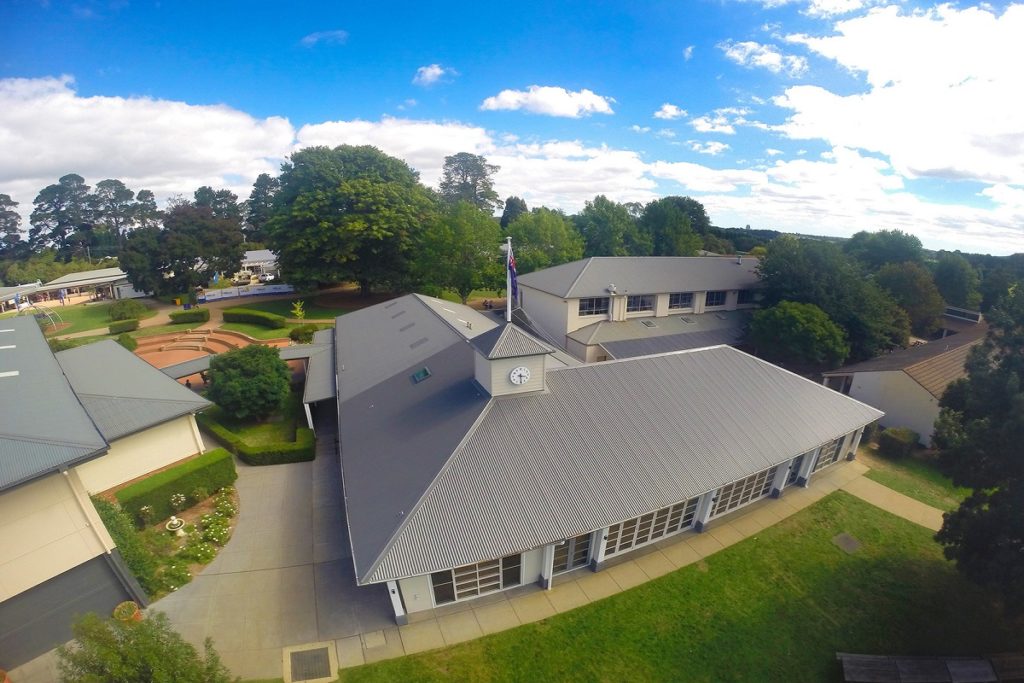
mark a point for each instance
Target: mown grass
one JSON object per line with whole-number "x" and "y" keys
{"x": 775, "y": 607}
{"x": 916, "y": 477}
{"x": 260, "y": 332}
{"x": 278, "y": 428}
{"x": 314, "y": 310}
{"x": 82, "y": 317}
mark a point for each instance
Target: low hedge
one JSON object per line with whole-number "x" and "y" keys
{"x": 302, "y": 449}
{"x": 123, "y": 326}
{"x": 142, "y": 563}
{"x": 128, "y": 341}
{"x": 247, "y": 315}
{"x": 303, "y": 333}
{"x": 211, "y": 471}
{"x": 897, "y": 442}
{"x": 193, "y": 315}
{"x": 126, "y": 309}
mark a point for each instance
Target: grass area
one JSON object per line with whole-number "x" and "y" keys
{"x": 83, "y": 317}
{"x": 167, "y": 329}
{"x": 776, "y": 607}
{"x": 278, "y": 428}
{"x": 82, "y": 341}
{"x": 260, "y": 332}
{"x": 475, "y": 294}
{"x": 915, "y": 477}
{"x": 314, "y": 310}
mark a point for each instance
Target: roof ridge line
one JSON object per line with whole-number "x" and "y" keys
{"x": 53, "y": 442}
{"x": 589, "y": 260}
{"x": 142, "y": 398}
{"x": 942, "y": 353}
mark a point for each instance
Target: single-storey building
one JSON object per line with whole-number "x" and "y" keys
{"x": 668, "y": 303}
{"x": 71, "y": 425}
{"x": 475, "y": 457}
{"x": 908, "y": 384}
{"x": 109, "y": 283}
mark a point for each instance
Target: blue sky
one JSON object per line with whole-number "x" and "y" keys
{"x": 821, "y": 116}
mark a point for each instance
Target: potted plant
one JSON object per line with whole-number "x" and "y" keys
{"x": 128, "y": 611}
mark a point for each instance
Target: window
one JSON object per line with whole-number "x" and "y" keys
{"x": 635, "y": 303}
{"x": 650, "y": 527}
{"x": 714, "y": 299}
{"x": 420, "y": 375}
{"x": 476, "y": 579}
{"x": 597, "y": 305}
{"x": 747, "y": 490}
{"x": 572, "y": 553}
{"x": 829, "y": 454}
{"x": 680, "y": 300}
{"x": 746, "y": 296}
{"x": 794, "y": 469}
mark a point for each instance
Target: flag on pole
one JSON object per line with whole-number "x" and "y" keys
{"x": 513, "y": 287}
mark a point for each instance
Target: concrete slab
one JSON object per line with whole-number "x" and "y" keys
{"x": 532, "y": 607}
{"x": 751, "y": 524}
{"x": 654, "y": 564}
{"x": 459, "y": 627}
{"x": 896, "y": 503}
{"x": 350, "y": 651}
{"x": 627, "y": 575}
{"x": 726, "y": 534}
{"x": 254, "y": 663}
{"x": 391, "y": 648}
{"x": 497, "y": 617}
{"x": 704, "y": 544}
{"x": 566, "y": 596}
{"x": 680, "y": 554}
{"x": 597, "y": 585}
{"x": 426, "y": 635}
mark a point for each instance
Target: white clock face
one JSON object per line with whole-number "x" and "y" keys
{"x": 519, "y": 375}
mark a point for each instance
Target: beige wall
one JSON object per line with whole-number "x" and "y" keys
{"x": 141, "y": 453}
{"x": 905, "y": 402}
{"x": 549, "y": 312}
{"x": 47, "y": 527}
{"x": 493, "y": 374}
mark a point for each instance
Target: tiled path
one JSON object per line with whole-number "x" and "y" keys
{"x": 276, "y": 586}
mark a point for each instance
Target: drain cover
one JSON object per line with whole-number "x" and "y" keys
{"x": 309, "y": 665}
{"x": 848, "y": 543}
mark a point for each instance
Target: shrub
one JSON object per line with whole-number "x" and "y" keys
{"x": 302, "y": 449}
{"x": 195, "y": 315}
{"x": 303, "y": 333}
{"x": 249, "y": 383}
{"x": 897, "y": 442}
{"x": 198, "y": 550}
{"x": 178, "y": 501}
{"x": 199, "y": 494}
{"x": 247, "y": 315}
{"x": 142, "y": 563}
{"x": 126, "y": 309}
{"x": 123, "y": 326}
{"x": 60, "y": 344}
{"x": 128, "y": 341}
{"x": 174, "y": 576}
{"x": 210, "y": 470}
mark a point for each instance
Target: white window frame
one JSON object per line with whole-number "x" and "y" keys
{"x": 743, "y": 492}
{"x": 651, "y": 527}
{"x": 470, "y": 576}
{"x": 607, "y": 306}
{"x": 677, "y": 306}
{"x": 707, "y": 298}
{"x": 644, "y": 303}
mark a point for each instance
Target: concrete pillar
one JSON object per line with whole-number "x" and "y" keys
{"x": 547, "y": 566}
{"x": 852, "y": 455}
{"x": 197, "y": 436}
{"x": 309, "y": 416}
{"x": 401, "y": 618}
{"x": 781, "y": 475}
{"x": 804, "y": 476}
{"x": 597, "y": 542}
{"x": 703, "y": 514}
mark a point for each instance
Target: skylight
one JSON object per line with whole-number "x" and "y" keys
{"x": 420, "y": 375}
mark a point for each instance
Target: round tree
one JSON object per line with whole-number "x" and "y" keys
{"x": 249, "y": 383}
{"x": 801, "y": 335}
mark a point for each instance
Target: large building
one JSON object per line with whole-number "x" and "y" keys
{"x": 73, "y": 424}
{"x": 603, "y": 308}
{"x": 476, "y": 457}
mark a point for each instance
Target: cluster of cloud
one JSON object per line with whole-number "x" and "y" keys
{"x": 752, "y": 54}
{"x": 431, "y": 74}
{"x": 335, "y": 37}
{"x": 550, "y": 100}
{"x": 670, "y": 112}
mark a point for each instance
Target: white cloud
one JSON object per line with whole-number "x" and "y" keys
{"x": 669, "y": 112}
{"x": 752, "y": 54}
{"x": 688, "y": 53}
{"x": 430, "y": 74}
{"x": 714, "y": 148}
{"x": 407, "y": 104}
{"x": 640, "y": 129}
{"x": 823, "y": 8}
{"x": 551, "y": 101}
{"x": 721, "y": 120}
{"x": 665, "y": 133}
{"x": 773, "y": 152}
{"x": 942, "y": 92}
{"x": 336, "y": 37}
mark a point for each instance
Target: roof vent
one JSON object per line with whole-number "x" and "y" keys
{"x": 721, "y": 317}
{"x": 688, "y": 321}
{"x": 418, "y": 342}
{"x": 648, "y": 323}
{"x": 402, "y": 312}
{"x": 403, "y": 328}
{"x": 420, "y": 375}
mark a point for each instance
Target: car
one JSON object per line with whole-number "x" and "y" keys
{"x": 267, "y": 277}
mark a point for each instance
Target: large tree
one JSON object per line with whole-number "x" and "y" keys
{"x": 146, "y": 651}
{"x": 957, "y": 281}
{"x": 61, "y": 210}
{"x": 348, "y": 213}
{"x": 669, "y": 228}
{"x": 468, "y": 178}
{"x": 10, "y": 225}
{"x": 222, "y": 203}
{"x": 875, "y": 249}
{"x": 142, "y": 259}
{"x": 912, "y": 287}
{"x": 113, "y": 206}
{"x": 514, "y": 208}
{"x": 260, "y": 206}
{"x": 147, "y": 215}
{"x": 800, "y": 336}
{"x": 608, "y": 229}
{"x": 249, "y": 383}
{"x": 543, "y": 238}
{"x": 979, "y": 435}
{"x": 817, "y": 272}
{"x": 461, "y": 251}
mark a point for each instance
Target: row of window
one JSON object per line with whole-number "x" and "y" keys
{"x": 650, "y": 527}
{"x": 476, "y": 579}
{"x": 829, "y": 454}
{"x": 572, "y": 553}
{"x": 747, "y": 490}
{"x": 638, "y": 303}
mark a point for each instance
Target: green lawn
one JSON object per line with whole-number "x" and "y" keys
{"x": 776, "y": 607}
{"x": 260, "y": 332}
{"x": 314, "y": 311}
{"x": 276, "y": 429}
{"x": 84, "y": 317}
{"x": 167, "y": 329}
{"x": 914, "y": 477}
{"x": 475, "y": 294}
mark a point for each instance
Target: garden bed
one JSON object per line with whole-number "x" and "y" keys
{"x": 279, "y": 439}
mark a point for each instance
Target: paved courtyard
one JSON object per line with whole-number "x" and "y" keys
{"x": 285, "y": 577}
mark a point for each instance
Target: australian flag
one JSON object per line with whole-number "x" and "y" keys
{"x": 513, "y": 286}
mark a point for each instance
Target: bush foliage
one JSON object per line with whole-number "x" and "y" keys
{"x": 211, "y": 471}
{"x": 128, "y": 341}
{"x": 303, "y": 334}
{"x": 122, "y": 326}
{"x": 193, "y": 315}
{"x": 300, "y": 450}
{"x": 126, "y": 309}
{"x": 897, "y": 442}
{"x": 249, "y": 383}
{"x": 247, "y": 315}
{"x": 142, "y": 563}
{"x": 799, "y": 334}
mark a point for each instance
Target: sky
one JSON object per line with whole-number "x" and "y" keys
{"x": 814, "y": 116}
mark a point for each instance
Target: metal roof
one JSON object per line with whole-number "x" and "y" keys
{"x": 320, "y": 377}
{"x": 508, "y": 341}
{"x": 257, "y": 256}
{"x": 906, "y": 358}
{"x": 643, "y": 275}
{"x": 43, "y": 426}
{"x": 605, "y": 442}
{"x": 935, "y": 374}
{"x": 85, "y": 278}
{"x": 9, "y": 292}
{"x": 630, "y": 348}
{"x": 651, "y": 326}
{"x": 122, "y": 393}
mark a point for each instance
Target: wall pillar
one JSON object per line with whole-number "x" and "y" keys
{"x": 804, "y": 476}
{"x": 852, "y": 455}
{"x": 703, "y": 514}
{"x": 547, "y": 566}
{"x": 197, "y": 436}
{"x": 309, "y": 416}
{"x": 401, "y": 618}
{"x": 597, "y": 543}
{"x": 781, "y": 475}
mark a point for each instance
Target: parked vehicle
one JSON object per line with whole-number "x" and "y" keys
{"x": 267, "y": 277}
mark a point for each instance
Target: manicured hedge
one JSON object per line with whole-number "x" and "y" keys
{"x": 123, "y": 326}
{"x": 211, "y": 471}
{"x": 128, "y": 341}
{"x": 142, "y": 563}
{"x": 300, "y": 450}
{"x": 126, "y": 309}
{"x": 247, "y": 315}
{"x": 897, "y": 442}
{"x": 303, "y": 333}
{"x": 194, "y": 315}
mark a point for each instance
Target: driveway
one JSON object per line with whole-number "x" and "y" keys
{"x": 285, "y": 578}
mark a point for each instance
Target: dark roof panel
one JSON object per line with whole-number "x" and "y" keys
{"x": 508, "y": 341}
{"x": 905, "y": 358}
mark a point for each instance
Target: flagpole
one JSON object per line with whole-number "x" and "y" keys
{"x": 508, "y": 280}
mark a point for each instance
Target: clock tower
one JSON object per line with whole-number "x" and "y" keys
{"x": 510, "y": 361}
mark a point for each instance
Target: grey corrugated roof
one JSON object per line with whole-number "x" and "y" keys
{"x": 122, "y": 393}
{"x": 87, "y": 277}
{"x": 43, "y": 426}
{"x": 9, "y": 292}
{"x": 292, "y": 352}
{"x": 905, "y": 358}
{"x": 677, "y": 323}
{"x": 643, "y": 275}
{"x": 606, "y": 442}
{"x": 508, "y": 341}
{"x": 259, "y": 256}
{"x": 630, "y": 348}
{"x": 319, "y": 377}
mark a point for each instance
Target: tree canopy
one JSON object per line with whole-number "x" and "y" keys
{"x": 608, "y": 229}
{"x": 60, "y": 210}
{"x": 514, "y": 208}
{"x": 260, "y": 206}
{"x": 669, "y": 228}
{"x": 462, "y": 251}
{"x": 979, "y": 435}
{"x": 249, "y": 383}
{"x": 912, "y": 287}
{"x": 957, "y": 281}
{"x": 800, "y": 336}
{"x": 10, "y": 225}
{"x": 875, "y": 249}
{"x": 468, "y": 178}
{"x": 542, "y": 238}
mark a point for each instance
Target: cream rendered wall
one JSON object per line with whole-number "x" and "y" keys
{"x": 141, "y": 453}
{"x": 550, "y": 312}
{"x": 905, "y": 402}
{"x": 416, "y": 593}
{"x": 47, "y": 527}
{"x": 499, "y": 383}
{"x": 531, "y": 567}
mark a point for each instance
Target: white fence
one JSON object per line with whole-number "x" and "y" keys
{"x": 245, "y": 290}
